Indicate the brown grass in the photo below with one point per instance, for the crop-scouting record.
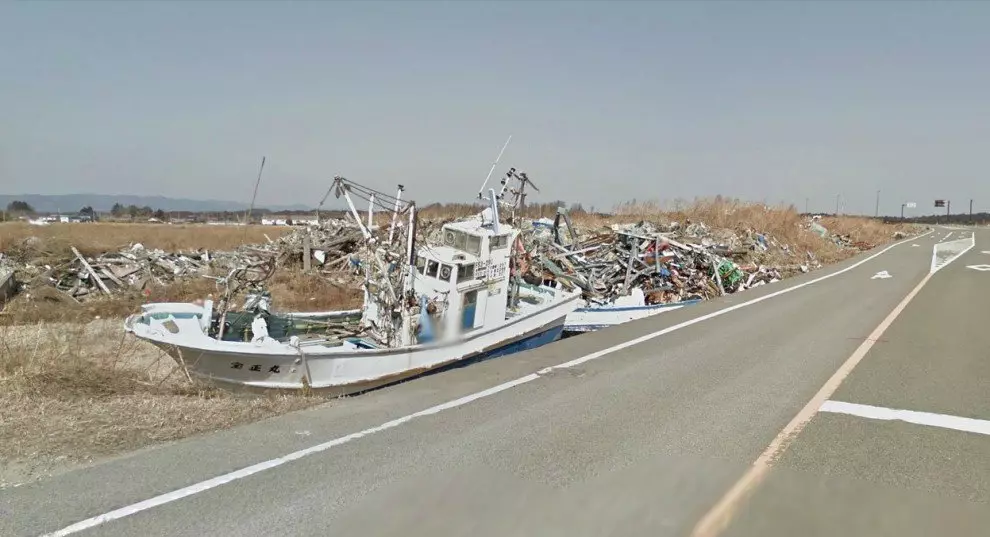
(72, 392)
(97, 238)
(73, 388)
(291, 290)
(782, 223)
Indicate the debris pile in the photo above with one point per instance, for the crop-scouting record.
(666, 263)
(326, 248)
(669, 263)
(329, 246)
(609, 265)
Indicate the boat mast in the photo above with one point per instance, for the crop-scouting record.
(409, 275)
(395, 213)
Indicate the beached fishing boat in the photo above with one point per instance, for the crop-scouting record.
(425, 307)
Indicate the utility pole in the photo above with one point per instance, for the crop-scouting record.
(837, 204)
(902, 210)
(877, 215)
(971, 212)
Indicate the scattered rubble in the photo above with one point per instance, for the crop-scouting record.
(669, 264)
(136, 267)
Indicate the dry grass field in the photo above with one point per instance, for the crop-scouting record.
(74, 388)
(97, 238)
(73, 392)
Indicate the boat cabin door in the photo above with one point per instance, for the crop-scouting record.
(469, 308)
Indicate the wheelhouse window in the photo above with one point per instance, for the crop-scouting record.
(465, 272)
(420, 264)
(456, 238)
(498, 242)
(473, 245)
(446, 271)
(431, 268)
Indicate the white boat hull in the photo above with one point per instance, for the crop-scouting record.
(269, 364)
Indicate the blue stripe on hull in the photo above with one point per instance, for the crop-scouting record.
(531, 342)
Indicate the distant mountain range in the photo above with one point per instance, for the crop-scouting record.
(71, 203)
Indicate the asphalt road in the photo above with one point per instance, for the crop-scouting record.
(646, 439)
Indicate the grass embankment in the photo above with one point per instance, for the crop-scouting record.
(74, 388)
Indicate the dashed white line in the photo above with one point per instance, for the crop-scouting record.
(267, 465)
(944, 421)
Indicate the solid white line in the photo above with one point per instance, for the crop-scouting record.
(250, 470)
(253, 469)
(935, 267)
(943, 421)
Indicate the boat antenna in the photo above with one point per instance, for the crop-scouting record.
(498, 158)
(247, 215)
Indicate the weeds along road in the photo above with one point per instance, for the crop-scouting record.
(708, 420)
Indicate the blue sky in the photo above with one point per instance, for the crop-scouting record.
(606, 101)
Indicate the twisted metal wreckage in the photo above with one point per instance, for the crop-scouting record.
(425, 306)
(630, 272)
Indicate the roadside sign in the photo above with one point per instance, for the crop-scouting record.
(940, 203)
(910, 205)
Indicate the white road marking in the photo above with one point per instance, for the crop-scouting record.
(979, 267)
(985, 252)
(719, 516)
(944, 421)
(958, 244)
(203, 486)
(947, 236)
(915, 245)
(883, 275)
